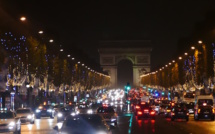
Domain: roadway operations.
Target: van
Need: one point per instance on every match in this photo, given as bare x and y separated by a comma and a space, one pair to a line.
204, 107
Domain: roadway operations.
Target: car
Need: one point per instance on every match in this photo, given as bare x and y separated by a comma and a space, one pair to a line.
84, 108
145, 111
84, 124
163, 105
190, 107
9, 122
108, 114
157, 107
138, 106
204, 107
180, 111
25, 115
45, 111
167, 111
64, 112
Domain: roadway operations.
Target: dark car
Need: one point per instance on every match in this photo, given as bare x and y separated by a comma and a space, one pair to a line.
84, 108
190, 107
180, 111
45, 111
9, 123
64, 112
84, 124
167, 111
108, 113
145, 111
205, 110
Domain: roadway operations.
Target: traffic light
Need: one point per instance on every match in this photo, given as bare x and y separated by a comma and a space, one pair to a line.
127, 87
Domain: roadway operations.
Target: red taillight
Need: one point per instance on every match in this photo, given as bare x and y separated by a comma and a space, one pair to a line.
139, 113
137, 107
152, 112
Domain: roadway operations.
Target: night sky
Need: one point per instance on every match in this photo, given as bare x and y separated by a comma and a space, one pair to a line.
82, 24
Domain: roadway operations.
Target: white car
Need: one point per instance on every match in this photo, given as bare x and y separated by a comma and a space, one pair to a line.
9, 122
25, 115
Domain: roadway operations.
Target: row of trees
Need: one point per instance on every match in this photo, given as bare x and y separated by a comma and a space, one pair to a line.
27, 56
195, 68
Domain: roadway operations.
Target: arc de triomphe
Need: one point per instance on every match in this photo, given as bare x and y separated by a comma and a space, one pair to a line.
137, 51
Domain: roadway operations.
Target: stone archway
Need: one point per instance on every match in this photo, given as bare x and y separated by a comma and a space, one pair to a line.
136, 51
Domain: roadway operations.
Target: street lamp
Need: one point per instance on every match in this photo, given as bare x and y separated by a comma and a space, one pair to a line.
192, 47
51, 40
185, 53
23, 18
200, 42
179, 58
40, 32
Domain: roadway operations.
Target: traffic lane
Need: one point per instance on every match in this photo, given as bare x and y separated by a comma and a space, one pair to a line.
194, 127
122, 126
158, 126
41, 126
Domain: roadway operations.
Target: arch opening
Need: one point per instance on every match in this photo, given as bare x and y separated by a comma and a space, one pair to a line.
124, 73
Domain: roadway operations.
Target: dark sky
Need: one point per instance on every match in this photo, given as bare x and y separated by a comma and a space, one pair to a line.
84, 23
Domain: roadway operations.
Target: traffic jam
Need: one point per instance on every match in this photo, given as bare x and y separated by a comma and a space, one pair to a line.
175, 105
101, 115
96, 115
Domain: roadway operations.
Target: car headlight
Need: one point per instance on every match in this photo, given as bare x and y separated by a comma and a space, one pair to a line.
49, 110
38, 110
29, 116
90, 111
59, 115
11, 124
73, 114
113, 119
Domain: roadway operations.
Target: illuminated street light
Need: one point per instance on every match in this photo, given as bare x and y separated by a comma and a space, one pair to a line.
23, 18
173, 61
185, 53
61, 50
79, 62
170, 63
160, 69
82, 64
40, 32
166, 65
179, 58
192, 47
68, 55
51, 40
73, 58
200, 42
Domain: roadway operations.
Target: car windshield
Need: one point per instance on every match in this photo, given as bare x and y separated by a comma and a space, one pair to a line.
65, 109
165, 101
84, 121
6, 115
105, 110
180, 105
189, 95
207, 101
22, 111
